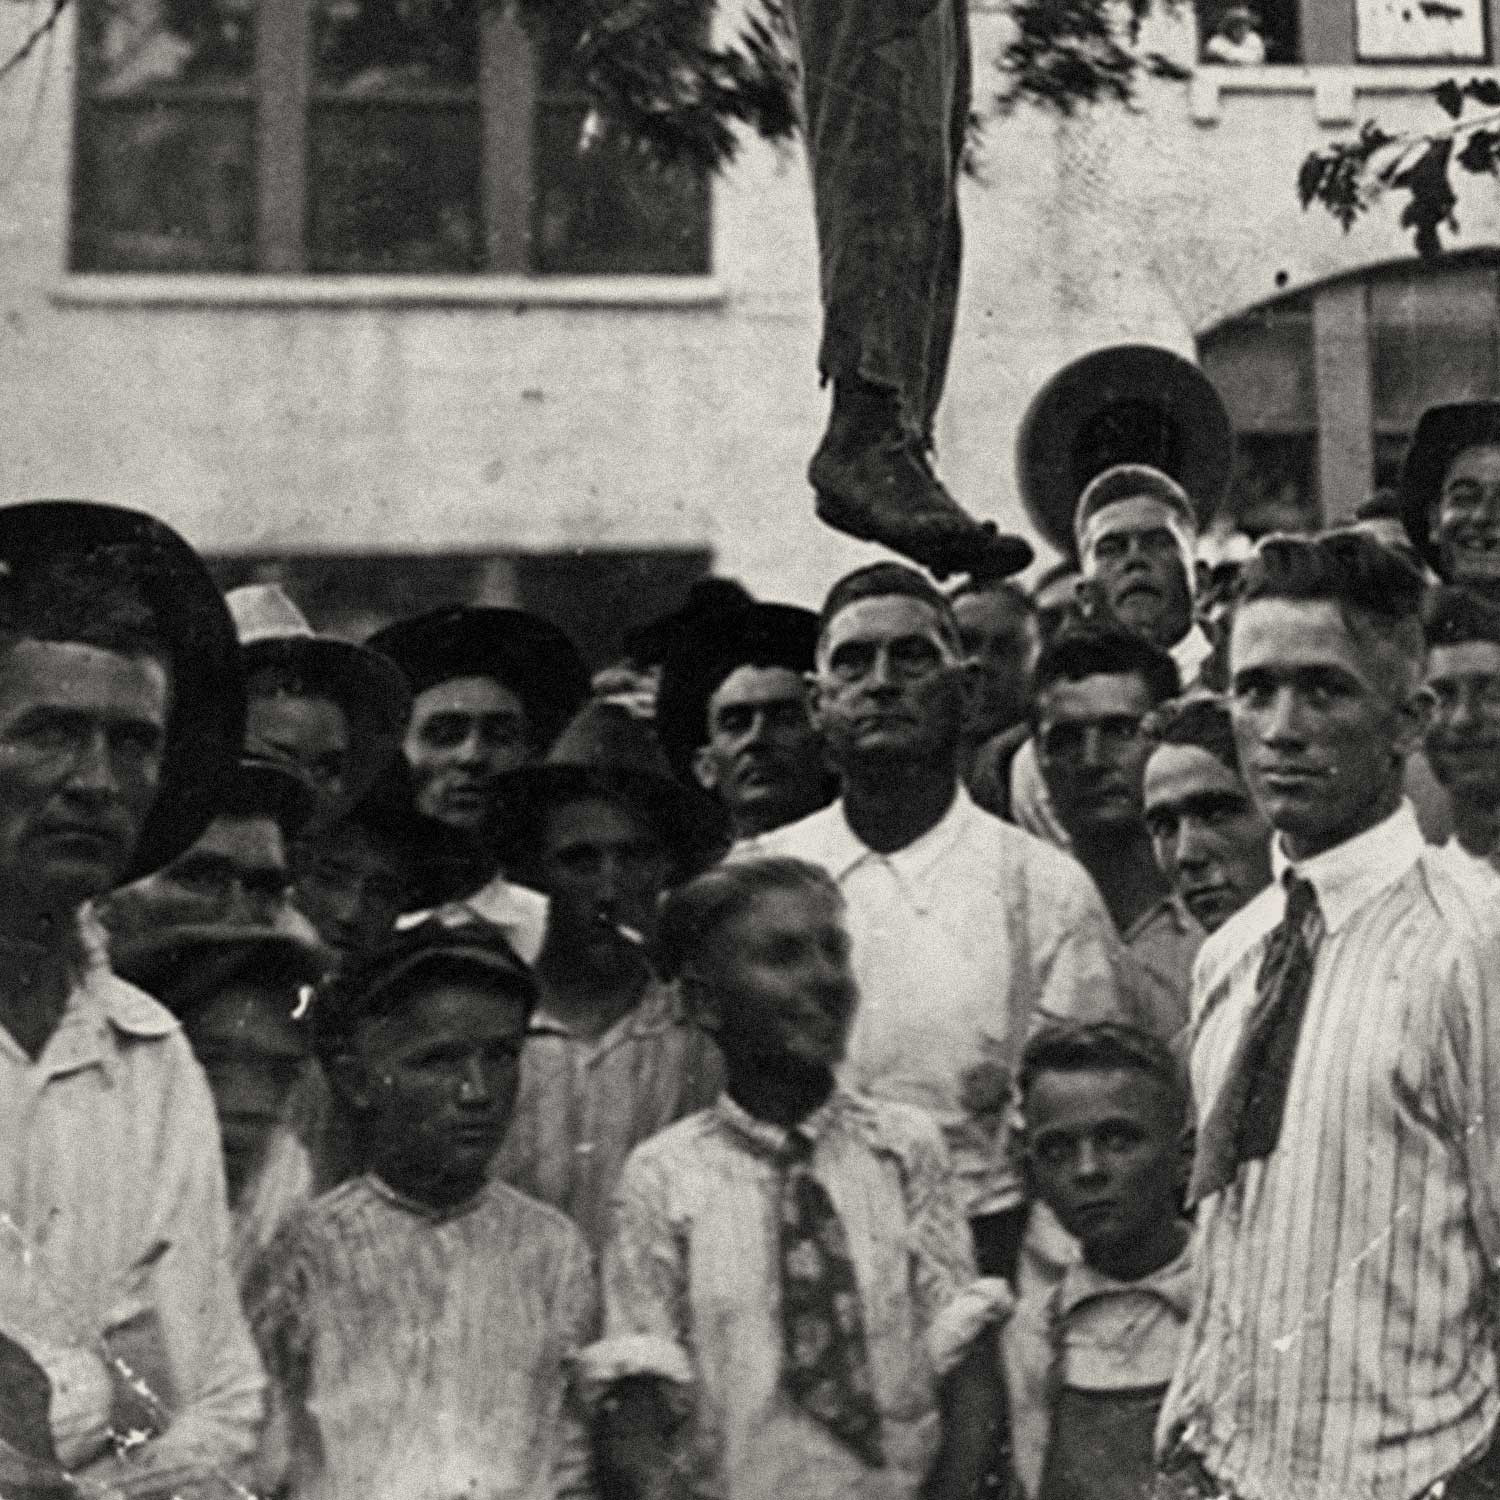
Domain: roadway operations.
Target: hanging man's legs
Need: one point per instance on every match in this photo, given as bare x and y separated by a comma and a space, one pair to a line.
886, 97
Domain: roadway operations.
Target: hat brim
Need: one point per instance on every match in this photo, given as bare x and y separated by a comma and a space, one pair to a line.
210, 958
763, 635
1046, 444
693, 826
206, 723
370, 688
1443, 432
526, 653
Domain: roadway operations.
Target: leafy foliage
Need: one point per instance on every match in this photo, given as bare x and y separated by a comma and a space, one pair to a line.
1348, 176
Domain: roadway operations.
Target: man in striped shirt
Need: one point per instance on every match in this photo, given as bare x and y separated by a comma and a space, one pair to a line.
1346, 1068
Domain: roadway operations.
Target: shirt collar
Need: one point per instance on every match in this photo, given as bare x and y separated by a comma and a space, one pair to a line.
1190, 653
844, 850
1353, 873
770, 1140
1171, 1284
660, 1007
1169, 910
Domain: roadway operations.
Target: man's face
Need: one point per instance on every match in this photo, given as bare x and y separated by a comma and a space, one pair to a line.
1463, 742
235, 875
350, 886
252, 1051
1104, 1153
1323, 720
1466, 523
779, 990
464, 734
1000, 636
312, 733
1138, 565
82, 735
604, 867
1210, 840
435, 1083
890, 687
1091, 750
763, 757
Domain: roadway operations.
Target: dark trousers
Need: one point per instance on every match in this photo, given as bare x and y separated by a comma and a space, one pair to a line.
886, 90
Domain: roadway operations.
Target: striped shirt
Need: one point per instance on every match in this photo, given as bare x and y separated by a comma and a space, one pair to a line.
692, 1291
962, 940
112, 1210
418, 1356
1339, 1344
586, 1102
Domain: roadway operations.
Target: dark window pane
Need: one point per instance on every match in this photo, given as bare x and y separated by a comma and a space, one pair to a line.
1275, 483
383, 47
164, 187
394, 186
134, 47
1232, 33
605, 210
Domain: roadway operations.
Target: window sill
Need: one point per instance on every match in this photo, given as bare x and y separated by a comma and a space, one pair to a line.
171, 289
1334, 89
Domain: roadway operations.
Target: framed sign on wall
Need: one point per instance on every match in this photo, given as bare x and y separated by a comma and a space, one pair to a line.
1420, 31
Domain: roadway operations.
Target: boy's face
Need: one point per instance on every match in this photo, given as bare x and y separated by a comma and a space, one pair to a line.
435, 1083
778, 984
1104, 1152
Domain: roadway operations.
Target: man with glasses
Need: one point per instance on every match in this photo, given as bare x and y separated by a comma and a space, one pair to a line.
966, 932
1094, 685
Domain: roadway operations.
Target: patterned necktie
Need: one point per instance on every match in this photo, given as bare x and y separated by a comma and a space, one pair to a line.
1245, 1121
825, 1364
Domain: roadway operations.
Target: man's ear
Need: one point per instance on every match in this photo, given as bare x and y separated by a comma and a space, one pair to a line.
705, 769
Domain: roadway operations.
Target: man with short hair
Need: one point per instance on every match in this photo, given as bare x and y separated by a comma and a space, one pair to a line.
124, 1359
1094, 686
1463, 742
1341, 1341
1211, 840
966, 931
732, 714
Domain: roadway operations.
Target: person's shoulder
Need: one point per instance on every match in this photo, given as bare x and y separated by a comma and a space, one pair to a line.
133, 1013
1038, 862
676, 1143
531, 1219
805, 839
1464, 898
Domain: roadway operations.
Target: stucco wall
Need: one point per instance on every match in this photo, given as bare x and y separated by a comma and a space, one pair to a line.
430, 427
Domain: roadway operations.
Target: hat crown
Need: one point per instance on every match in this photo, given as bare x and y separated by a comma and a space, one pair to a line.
265, 612
603, 737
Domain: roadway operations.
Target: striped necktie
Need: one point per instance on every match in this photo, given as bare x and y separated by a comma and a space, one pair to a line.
826, 1362
1245, 1121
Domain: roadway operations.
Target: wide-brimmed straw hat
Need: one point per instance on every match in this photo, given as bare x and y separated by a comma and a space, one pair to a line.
206, 723
1125, 404
371, 689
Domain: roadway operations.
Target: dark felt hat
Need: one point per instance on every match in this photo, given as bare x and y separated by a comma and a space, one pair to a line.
207, 720
184, 966
759, 635
269, 786
1443, 432
607, 752
370, 688
708, 601
1125, 404
520, 650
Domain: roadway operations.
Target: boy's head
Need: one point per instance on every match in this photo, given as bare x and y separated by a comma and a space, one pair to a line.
761, 951
422, 1038
1105, 1112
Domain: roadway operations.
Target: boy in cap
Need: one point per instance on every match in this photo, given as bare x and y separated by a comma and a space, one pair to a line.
613, 1055
124, 1358
418, 1321
790, 1296
491, 690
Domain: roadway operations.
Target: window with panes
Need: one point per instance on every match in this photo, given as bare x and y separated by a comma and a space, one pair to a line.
356, 136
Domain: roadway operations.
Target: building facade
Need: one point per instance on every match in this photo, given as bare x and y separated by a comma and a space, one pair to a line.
311, 287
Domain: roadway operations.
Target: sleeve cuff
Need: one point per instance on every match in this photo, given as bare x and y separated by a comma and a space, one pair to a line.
609, 1360
82, 1398
984, 1303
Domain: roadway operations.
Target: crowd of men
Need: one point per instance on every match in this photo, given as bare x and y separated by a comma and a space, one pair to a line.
952, 1043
